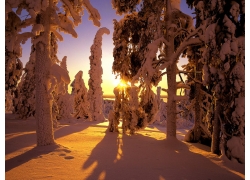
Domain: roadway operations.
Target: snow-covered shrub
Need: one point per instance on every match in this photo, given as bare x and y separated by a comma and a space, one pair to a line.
80, 93
107, 107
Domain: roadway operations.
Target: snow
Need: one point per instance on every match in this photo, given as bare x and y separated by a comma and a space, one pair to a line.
85, 150
236, 148
81, 103
95, 76
93, 13
37, 29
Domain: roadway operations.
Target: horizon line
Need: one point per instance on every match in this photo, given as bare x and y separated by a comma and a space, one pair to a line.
113, 96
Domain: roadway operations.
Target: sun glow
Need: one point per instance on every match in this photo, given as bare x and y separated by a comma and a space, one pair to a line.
116, 81
122, 84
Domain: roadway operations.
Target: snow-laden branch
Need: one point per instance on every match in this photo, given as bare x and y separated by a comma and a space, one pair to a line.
76, 17
22, 38
93, 13
60, 74
67, 26
27, 22
58, 35
182, 47
147, 69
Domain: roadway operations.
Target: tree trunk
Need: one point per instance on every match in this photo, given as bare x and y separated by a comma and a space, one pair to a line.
197, 106
171, 104
171, 76
215, 146
44, 130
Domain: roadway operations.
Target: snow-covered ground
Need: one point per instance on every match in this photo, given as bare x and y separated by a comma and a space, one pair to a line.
87, 151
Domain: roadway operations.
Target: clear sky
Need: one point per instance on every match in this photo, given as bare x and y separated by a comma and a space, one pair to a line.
77, 50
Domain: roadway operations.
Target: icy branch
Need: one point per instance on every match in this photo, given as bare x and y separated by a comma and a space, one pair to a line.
147, 69
58, 35
76, 17
23, 37
183, 46
94, 14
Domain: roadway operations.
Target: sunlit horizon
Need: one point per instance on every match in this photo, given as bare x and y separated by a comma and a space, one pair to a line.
77, 49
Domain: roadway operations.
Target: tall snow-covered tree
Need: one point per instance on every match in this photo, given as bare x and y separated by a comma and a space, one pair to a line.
160, 27
47, 18
80, 93
13, 51
95, 77
225, 61
131, 36
223, 73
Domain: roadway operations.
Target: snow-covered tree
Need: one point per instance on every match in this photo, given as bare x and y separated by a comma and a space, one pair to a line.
225, 59
8, 102
65, 100
80, 93
108, 106
131, 36
136, 111
95, 77
24, 101
47, 18
223, 73
159, 26
13, 51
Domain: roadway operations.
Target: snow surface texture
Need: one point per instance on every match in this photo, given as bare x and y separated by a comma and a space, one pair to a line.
79, 154
95, 77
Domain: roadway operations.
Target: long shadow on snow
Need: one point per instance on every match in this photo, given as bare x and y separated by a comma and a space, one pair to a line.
141, 157
17, 139
35, 152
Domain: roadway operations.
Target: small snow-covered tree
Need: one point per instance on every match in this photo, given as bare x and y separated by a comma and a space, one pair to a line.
108, 106
95, 77
64, 100
128, 109
24, 101
80, 93
13, 51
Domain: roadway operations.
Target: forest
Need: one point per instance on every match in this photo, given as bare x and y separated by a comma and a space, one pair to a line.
148, 42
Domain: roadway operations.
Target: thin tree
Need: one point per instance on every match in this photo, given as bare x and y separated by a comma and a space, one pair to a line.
95, 77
